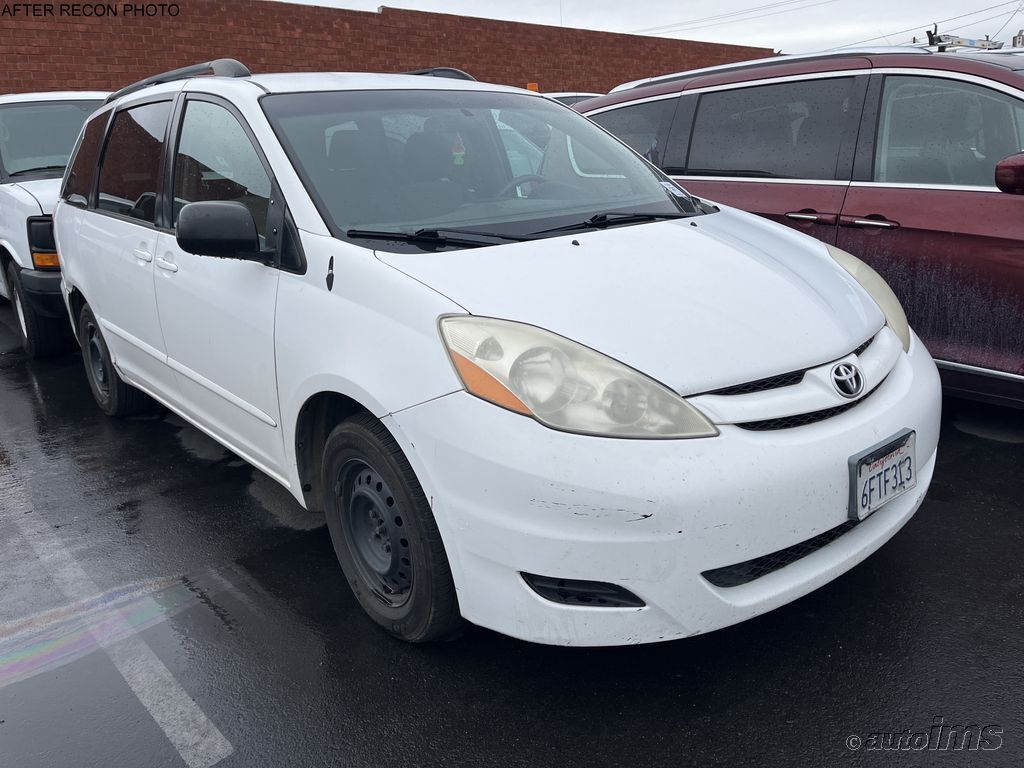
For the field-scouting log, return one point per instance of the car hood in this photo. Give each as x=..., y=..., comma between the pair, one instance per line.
x=697, y=304
x=45, y=191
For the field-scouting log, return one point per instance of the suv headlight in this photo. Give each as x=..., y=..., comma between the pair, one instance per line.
x=564, y=385
x=878, y=289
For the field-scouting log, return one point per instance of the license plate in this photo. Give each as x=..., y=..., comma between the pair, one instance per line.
x=882, y=473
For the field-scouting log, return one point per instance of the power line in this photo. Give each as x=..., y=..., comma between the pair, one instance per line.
x=719, y=16
x=982, y=21
x=746, y=18
x=1005, y=23
x=940, y=21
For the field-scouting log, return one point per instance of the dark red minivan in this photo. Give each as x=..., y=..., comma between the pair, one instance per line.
x=908, y=159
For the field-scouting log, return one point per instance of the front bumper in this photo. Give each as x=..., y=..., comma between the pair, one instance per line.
x=511, y=496
x=43, y=292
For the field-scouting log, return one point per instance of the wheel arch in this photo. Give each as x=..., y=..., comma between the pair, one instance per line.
x=5, y=259
x=76, y=302
x=318, y=416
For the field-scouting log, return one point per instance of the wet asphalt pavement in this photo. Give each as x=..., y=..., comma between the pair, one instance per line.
x=164, y=604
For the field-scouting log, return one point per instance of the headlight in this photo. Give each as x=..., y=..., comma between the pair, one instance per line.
x=562, y=384
x=879, y=290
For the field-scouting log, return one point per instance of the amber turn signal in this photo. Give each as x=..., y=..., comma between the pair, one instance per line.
x=46, y=260
x=482, y=384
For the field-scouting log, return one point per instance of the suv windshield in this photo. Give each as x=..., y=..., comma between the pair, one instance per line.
x=36, y=138
x=505, y=164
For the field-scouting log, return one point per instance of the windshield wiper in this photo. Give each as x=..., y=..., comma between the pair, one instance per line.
x=465, y=237
x=40, y=169
x=614, y=218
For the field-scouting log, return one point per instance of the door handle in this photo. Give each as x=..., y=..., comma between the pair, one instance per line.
x=166, y=265
x=879, y=222
x=809, y=215
x=143, y=255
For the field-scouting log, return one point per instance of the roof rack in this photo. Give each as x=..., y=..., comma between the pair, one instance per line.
x=944, y=42
x=752, y=63
x=217, y=67
x=449, y=72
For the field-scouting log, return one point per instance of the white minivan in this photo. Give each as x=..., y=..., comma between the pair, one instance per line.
x=530, y=381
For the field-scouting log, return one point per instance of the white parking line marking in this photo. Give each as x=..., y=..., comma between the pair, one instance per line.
x=186, y=726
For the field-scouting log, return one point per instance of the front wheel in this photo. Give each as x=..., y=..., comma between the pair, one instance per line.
x=384, y=533
x=40, y=336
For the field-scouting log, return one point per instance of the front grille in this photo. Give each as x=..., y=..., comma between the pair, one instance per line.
x=772, y=382
x=745, y=572
x=863, y=346
x=803, y=419
x=775, y=382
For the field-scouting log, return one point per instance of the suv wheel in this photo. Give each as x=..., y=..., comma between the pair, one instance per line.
x=112, y=394
x=40, y=336
x=384, y=533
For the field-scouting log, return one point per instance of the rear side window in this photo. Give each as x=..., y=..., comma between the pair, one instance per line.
x=80, y=178
x=785, y=130
x=937, y=131
x=217, y=161
x=640, y=125
x=130, y=176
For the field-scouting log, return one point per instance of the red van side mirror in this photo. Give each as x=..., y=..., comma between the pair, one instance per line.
x=1010, y=174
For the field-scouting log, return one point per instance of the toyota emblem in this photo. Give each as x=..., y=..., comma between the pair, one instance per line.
x=847, y=379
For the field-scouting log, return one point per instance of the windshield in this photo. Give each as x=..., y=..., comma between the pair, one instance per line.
x=473, y=161
x=37, y=137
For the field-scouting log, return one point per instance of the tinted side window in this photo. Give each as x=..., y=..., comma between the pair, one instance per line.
x=935, y=131
x=130, y=176
x=786, y=130
x=217, y=161
x=639, y=125
x=83, y=167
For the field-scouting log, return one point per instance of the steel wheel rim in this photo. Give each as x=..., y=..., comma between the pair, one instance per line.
x=375, y=533
x=20, y=312
x=94, y=354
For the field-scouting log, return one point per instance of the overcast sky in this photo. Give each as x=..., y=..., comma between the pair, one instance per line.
x=793, y=26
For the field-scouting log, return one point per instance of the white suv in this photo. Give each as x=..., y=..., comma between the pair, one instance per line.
x=529, y=380
x=37, y=134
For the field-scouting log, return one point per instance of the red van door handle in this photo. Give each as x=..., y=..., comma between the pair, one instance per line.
x=811, y=215
x=874, y=220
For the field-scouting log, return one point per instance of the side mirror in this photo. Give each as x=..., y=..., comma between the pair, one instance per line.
x=218, y=228
x=1010, y=174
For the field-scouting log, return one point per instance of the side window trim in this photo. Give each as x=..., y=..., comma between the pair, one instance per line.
x=90, y=194
x=681, y=126
x=278, y=211
x=161, y=171
x=848, y=145
x=864, y=158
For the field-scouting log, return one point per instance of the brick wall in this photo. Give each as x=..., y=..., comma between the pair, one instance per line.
x=44, y=47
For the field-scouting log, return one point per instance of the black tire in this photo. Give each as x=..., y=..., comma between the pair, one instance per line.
x=40, y=336
x=112, y=394
x=384, y=533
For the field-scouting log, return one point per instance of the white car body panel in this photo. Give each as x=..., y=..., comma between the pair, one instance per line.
x=239, y=348
x=232, y=387
x=652, y=515
x=22, y=98
x=681, y=281
x=24, y=198
x=16, y=205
